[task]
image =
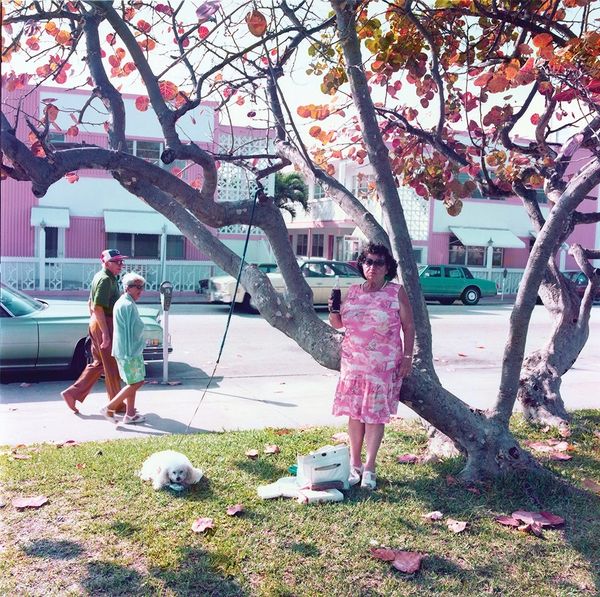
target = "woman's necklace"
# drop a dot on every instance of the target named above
(366, 289)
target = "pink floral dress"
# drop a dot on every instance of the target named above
(369, 383)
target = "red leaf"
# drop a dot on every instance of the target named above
(383, 553)
(591, 485)
(542, 40)
(68, 444)
(407, 459)
(236, 509)
(29, 502)
(142, 102)
(340, 438)
(272, 449)
(207, 10)
(168, 90)
(21, 456)
(543, 518)
(407, 561)
(252, 454)
(73, 131)
(456, 526)
(559, 456)
(508, 521)
(72, 177)
(200, 525)
(461, 354)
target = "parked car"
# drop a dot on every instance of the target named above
(448, 283)
(321, 274)
(36, 333)
(580, 280)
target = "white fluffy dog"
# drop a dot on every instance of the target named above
(169, 468)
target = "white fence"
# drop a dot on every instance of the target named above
(23, 273)
(508, 285)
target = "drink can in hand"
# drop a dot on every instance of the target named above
(336, 300)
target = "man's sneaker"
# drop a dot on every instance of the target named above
(134, 419)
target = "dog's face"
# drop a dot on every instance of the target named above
(177, 474)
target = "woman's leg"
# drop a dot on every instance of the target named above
(131, 398)
(373, 436)
(120, 398)
(356, 433)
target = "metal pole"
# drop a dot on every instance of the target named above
(166, 347)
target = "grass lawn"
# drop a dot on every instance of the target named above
(104, 532)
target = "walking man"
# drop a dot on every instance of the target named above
(104, 293)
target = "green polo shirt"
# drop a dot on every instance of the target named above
(104, 291)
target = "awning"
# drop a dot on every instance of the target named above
(480, 237)
(138, 222)
(53, 217)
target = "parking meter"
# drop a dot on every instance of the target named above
(166, 294)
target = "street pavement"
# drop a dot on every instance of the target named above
(288, 389)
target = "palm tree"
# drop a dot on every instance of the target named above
(290, 188)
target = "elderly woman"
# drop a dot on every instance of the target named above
(128, 347)
(376, 355)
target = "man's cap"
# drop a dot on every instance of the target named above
(112, 255)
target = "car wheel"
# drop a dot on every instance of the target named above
(470, 296)
(80, 360)
(247, 304)
(447, 301)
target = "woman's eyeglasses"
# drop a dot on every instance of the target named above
(138, 286)
(375, 262)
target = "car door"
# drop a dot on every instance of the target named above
(18, 340)
(454, 282)
(316, 279)
(432, 282)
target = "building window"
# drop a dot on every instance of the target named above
(302, 245)
(364, 185)
(138, 246)
(151, 151)
(474, 256)
(418, 255)
(175, 247)
(51, 249)
(317, 245)
(318, 191)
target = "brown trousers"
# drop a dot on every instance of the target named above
(102, 362)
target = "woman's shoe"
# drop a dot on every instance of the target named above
(355, 474)
(109, 415)
(369, 480)
(134, 419)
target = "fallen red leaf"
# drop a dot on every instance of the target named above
(384, 553)
(236, 509)
(543, 518)
(80, 465)
(252, 454)
(508, 521)
(30, 502)
(21, 456)
(591, 485)
(340, 438)
(272, 449)
(474, 490)
(202, 524)
(450, 480)
(282, 431)
(67, 444)
(407, 459)
(535, 528)
(559, 456)
(407, 561)
(456, 526)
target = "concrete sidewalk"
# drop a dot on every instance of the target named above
(36, 413)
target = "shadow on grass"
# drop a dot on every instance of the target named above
(56, 550)
(107, 578)
(194, 576)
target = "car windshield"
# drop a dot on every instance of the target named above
(17, 303)
(422, 268)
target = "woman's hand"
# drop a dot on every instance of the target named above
(406, 366)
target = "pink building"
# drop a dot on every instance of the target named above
(54, 243)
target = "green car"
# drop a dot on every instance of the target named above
(447, 283)
(51, 334)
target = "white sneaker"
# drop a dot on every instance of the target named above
(109, 415)
(355, 474)
(134, 419)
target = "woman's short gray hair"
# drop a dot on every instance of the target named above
(131, 278)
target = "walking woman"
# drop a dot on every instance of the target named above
(128, 347)
(376, 355)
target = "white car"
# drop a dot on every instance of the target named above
(322, 275)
